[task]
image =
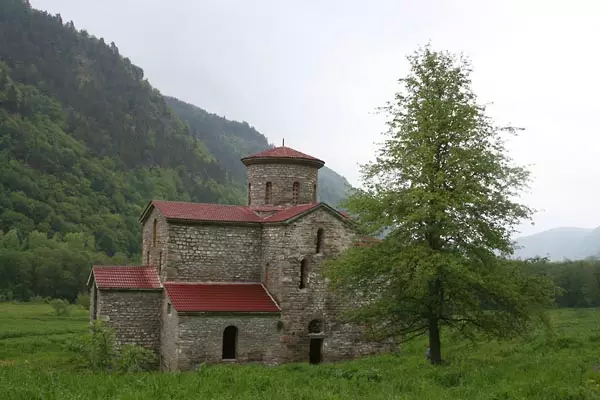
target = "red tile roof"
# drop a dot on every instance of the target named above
(345, 214)
(178, 210)
(290, 212)
(225, 297)
(283, 152)
(205, 212)
(125, 277)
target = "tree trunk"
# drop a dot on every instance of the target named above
(435, 346)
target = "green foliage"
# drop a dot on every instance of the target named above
(83, 300)
(95, 350)
(557, 367)
(443, 185)
(579, 281)
(61, 307)
(135, 359)
(55, 266)
(98, 351)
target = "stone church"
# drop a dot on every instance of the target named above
(236, 283)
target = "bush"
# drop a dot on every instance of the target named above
(6, 295)
(135, 359)
(39, 300)
(83, 300)
(61, 307)
(97, 351)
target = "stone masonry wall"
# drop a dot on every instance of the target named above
(152, 254)
(93, 300)
(215, 253)
(133, 314)
(201, 338)
(282, 178)
(284, 249)
(169, 336)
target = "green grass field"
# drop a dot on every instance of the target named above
(35, 365)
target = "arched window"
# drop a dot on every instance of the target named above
(314, 194)
(295, 192)
(249, 191)
(268, 193)
(230, 342)
(303, 274)
(148, 258)
(319, 240)
(315, 326)
(154, 229)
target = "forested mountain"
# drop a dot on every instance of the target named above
(85, 143)
(561, 243)
(229, 141)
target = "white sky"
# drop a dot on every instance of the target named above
(313, 72)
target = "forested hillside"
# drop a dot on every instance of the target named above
(229, 141)
(85, 143)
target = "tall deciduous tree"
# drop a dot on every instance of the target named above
(444, 189)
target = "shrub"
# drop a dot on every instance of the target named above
(135, 358)
(101, 346)
(97, 351)
(6, 295)
(39, 300)
(83, 300)
(61, 307)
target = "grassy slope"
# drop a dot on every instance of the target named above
(33, 365)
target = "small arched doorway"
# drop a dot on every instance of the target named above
(230, 343)
(315, 331)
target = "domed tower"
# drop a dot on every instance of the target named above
(282, 177)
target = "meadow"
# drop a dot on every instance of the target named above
(561, 365)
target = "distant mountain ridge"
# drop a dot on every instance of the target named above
(560, 243)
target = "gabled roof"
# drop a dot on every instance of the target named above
(220, 297)
(220, 213)
(205, 212)
(124, 277)
(291, 212)
(282, 154)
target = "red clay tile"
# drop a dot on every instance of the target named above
(125, 277)
(224, 297)
(282, 152)
(205, 212)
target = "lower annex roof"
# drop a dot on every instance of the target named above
(125, 277)
(223, 297)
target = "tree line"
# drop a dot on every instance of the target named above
(58, 266)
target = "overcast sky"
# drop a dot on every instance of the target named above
(313, 72)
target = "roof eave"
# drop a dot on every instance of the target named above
(283, 160)
(113, 289)
(90, 278)
(199, 313)
(146, 212)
